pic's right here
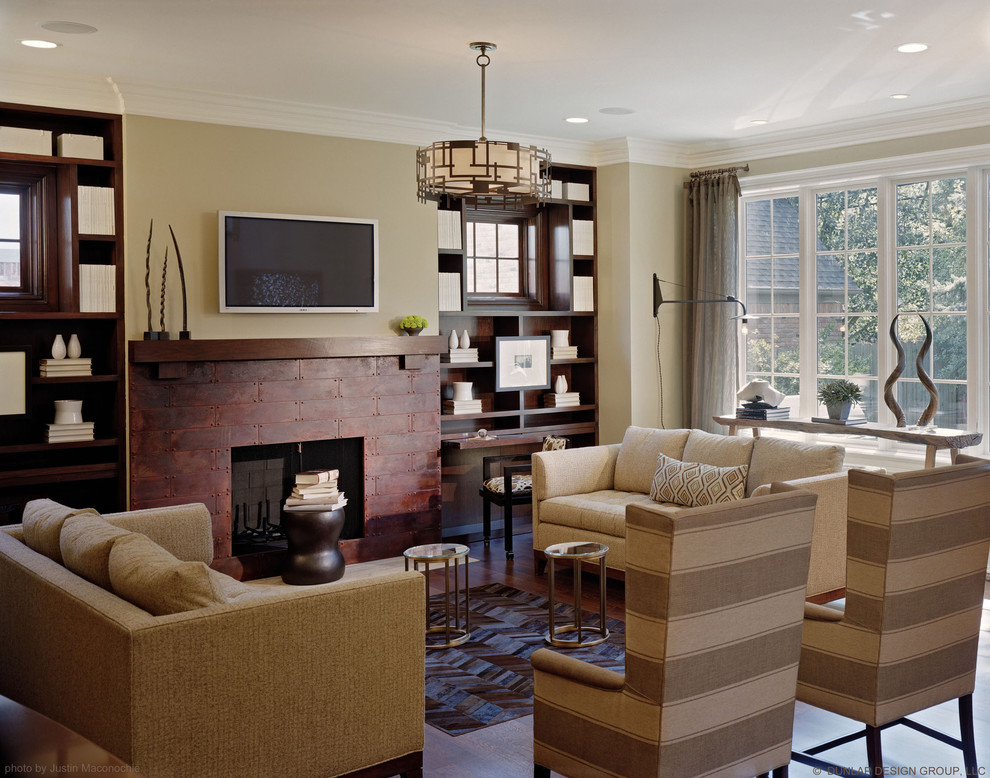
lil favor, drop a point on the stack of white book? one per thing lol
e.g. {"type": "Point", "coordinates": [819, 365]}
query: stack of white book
{"type": "Point", "coordinates": [67, 433]}
{"type": "Point", "coordinates": [96, 210]}
{"type": "Point", "coordinates": [316, 489]}
{"type": "Point", "coordinates": [583, 237]}
{"type": "Point", "coordinates": [584, 293]}
{"type": "Point", "coordinates": [450, 291]}
{"type": "Point", "coordinates": [561, 399]}
{"type": "Point", "coordinates": [564, 352]}
{"type": "Point", "coordinates": [460, 355]}
{"type": "Point", "coordinates": [97, 288]}
{"type": "Point", "coordinates": [449, 230]}
{"type": "Point", "coordinates": [59, 368]}
{"type": "Point", "coordinates": [461, 406]}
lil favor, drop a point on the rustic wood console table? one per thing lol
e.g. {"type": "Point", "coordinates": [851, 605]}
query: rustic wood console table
{"type": "Point", "coordinates": [939, 439]}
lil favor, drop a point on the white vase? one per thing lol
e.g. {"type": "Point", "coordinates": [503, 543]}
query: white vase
{"type": "Point", "coordinates": [452, 340]}
{"type": "Point", "coordinates": [58, 348]}
{"type": "Point", "coordinates": [68, 411]}
{"type": "Point", "coordinates": [561, 384]}
{"type": "Point", "coordinates": [74, 349]}
{"type": "Point", "coordinates": [465, 340]}
{"type": "Point", "coordinates": [559, 338]}
{"type": "Point", "coordinates": [462, 391]}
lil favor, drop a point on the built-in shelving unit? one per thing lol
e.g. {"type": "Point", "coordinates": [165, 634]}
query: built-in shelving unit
{"type": "Point", "coordinates": [82, 473]}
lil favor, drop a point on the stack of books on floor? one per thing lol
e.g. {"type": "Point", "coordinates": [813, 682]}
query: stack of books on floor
{"type": "Point", "coordinates": [460, 355]}
{"type": "Point", "coordinates": [561, 399]}
{"type": "Point", "coordinates": [316, 489]}
{"type": "Point", "coordinates": [461, 406]}
{"type": "Point", "coordinates": [564, 352]}
{"type": "Point", "coordinates": [57, 368]}
{"type": "Point", "coordinates": [69, 433]}
{"type": "Point", "coordinates": [763, 413]}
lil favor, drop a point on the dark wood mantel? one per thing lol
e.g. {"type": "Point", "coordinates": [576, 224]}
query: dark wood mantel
{"type": "Point", "coordinates": [233, 349]}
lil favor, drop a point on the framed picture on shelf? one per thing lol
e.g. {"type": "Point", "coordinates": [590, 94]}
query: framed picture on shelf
{"type": "Point", "coordinates": [522, 362]}
{"type": "Point", "coordinates": [15, 364]}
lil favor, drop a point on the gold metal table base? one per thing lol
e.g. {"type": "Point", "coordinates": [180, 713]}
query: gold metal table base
{"type": "Point", "coordinates": [454, 630]}
{"type": "Point", "coordinates": [582, 635]}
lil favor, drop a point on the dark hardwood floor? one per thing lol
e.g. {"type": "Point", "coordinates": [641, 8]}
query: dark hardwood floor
{"type": "Point", "coordinates": [506, 750]}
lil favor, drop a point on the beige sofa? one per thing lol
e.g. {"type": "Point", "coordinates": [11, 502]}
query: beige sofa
{"type": "Point", "coordinates": [268, 680]}
{"type": "Point", "coordinates": [581, 494]}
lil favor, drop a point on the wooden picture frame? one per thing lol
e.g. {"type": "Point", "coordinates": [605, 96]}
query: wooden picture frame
{"type": "Point", "coordinates": [15, 380]}
{"type": "Point", "coordinates": [522, 362]}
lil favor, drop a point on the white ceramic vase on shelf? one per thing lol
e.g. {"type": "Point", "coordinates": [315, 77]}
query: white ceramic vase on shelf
{"type": "Point", "coordinates": [462, 391]}
{"type": "Point", "coordinates": [74, 349]}
{"type": "Point", "coordinates": [561, 384]}
{"type": "Point", "coordinates": [58, 348]}
{"type": "Point", "coordinates": [452, 340]}
{"type": "Point", "coordinates": [559, 338]}
{"type": "Point", "coordinates": [68, 411]}
{"type": "Point", "coordinates": [465, 340]}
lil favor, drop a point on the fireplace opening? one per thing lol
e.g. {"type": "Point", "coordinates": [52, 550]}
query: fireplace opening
{"type": "Point", "coordinates": [261, 478]}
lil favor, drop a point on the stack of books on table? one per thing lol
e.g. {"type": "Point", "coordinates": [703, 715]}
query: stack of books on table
{"type": "Point", "coordinates": [69, 433]}
{"type": "Point", "coordinates": [316, 489]}
{"type": "Point", "coordinates": [763, 414]}
{"type": "Point", "coordinates": [460, 355]}
{"type": "Point", "coordinates": [564, 352]}
{"type": "Point", "coordinates": [561, 399]}
{"type": "Point", "coordinates": [461, 406]}
{"type": "Point", "coordinates": [58, 368]}
{"type": "Point", "coordinates": [840, 422]}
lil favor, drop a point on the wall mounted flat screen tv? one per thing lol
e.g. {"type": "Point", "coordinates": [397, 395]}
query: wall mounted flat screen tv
{"type": "Point", "coordinates": [281, 263]}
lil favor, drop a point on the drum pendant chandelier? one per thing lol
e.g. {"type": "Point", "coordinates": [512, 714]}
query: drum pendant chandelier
{"type": "Point", "coordinates": [492, 172]}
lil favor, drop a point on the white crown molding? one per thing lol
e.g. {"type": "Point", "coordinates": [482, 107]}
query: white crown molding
{"type": "Point", "coordinates": [615, 151]}
{"type": "Point", "coordinates": [65, 90]}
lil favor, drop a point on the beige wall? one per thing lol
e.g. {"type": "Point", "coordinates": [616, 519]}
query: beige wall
{"type": "Point", "coordinates": [182, 173]}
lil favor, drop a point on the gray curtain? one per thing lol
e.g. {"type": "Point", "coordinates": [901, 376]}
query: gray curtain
{"type": "Point", "coordinates": [711, 216]}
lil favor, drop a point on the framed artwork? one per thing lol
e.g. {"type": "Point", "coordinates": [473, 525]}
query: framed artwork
{"type": "Point", "coordinates": [15, 380]}
{"type": "Point", "coordinates": [522, 362]}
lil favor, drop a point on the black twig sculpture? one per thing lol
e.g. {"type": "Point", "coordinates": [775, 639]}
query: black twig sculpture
{"type": "Point", "coordinates": [184, 332]}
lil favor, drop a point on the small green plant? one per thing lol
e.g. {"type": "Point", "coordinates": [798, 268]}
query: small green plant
{"type": "Point", "coordinates": [839, 392]}
{"type": "Point", "coordinates": [412, 322]}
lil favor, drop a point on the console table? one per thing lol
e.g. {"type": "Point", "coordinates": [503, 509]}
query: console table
{"type": "Point", "coordinates": [937, 440]}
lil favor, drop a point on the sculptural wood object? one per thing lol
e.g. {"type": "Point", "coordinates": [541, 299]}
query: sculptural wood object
{"type": "Point", "coordinates": [888, 387]}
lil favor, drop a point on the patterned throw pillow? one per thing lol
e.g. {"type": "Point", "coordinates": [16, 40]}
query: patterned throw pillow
{"type": "Point", "coordinates": [693, 483]}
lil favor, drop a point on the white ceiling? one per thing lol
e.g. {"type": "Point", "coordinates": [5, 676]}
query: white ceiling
{"type": "Point", "coordinates": [696, 72]}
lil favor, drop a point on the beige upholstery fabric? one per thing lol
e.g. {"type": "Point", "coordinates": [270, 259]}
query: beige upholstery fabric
{"type": "Point", "coordinates": [85, 543]}
{"type": "Point", "coordinates": [718, 450]}
{"type": "Point", "coordinates": [183, 530]}
{"type": "Point", "coordinates": [917, 555]}
{"type": "Point", "coordinates": [776, 459]}
{"type": "Point", "coordinates": [694, 484]}
{"type": "Point", "coordinates": [42, 522]}
{"type": "Point", "coordinates": [189, 695]}
{"type": "Point", "coordinates": [144, 573]}
{"type": "Point", "coordinates": [638, 454]}
{"type": "Point", "coordinates": [714, 602]}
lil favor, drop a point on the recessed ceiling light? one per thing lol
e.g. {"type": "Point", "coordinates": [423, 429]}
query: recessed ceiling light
{"type": "Point", "coordinates": [40, 44]}
{"type": "Point", "coordinates": [912, 48]}
{"type": "Point", "coordinates": [899, 97]}
{"type": "Point", "coordinates": [70, 28]}
{"type": "Point", "coordinates": [616, 111]}
{"type": "Point", "coordinates": [576, 120]}
{"type": "Point", "coordinates": [760, 121]}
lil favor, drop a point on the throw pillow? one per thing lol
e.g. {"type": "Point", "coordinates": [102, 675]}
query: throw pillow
{"type": "Point", "coordinates": [145, 574]}
{"type": "Point", "coordinates": [42, 524]}
{"type": "Point", "coordinates": [694, 484]}
{"type": "Point", "coordinates": [638, 453]}
{"type": "Point", "coordinates": [85, 543]}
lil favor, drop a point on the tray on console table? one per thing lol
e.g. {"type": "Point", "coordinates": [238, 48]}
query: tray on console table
{"type": "Point", "coordinates": [933, 441]}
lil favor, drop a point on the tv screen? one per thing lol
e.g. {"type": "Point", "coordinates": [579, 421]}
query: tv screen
{"type": "Point", "coordinates": [280, 263]}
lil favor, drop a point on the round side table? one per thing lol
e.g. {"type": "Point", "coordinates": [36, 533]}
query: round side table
{"type": "Point", "coordinates": [314, 556]}
{"type": "Point", "coordinates": [453, 631]}
{"type": "Point", "coordinates": [583, 636]}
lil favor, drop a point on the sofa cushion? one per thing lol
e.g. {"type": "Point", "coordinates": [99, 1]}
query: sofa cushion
{"type": "Point", "coordinates": [637, 460]}
{"type": "Point", "coordinates": [145, 574]}
{"type": "Point", "coordinates": [693, 483]}
{"type": "Point", "coordinates": [603, 511]}
{"type": "Point", "coordinates": [776, 459]}
{"type": "Point", "coordinates": [718, 450]}
{"type": "Point", "coordinates": [85, 543]}
{"type": "Point", "coordinates": [42, 524]}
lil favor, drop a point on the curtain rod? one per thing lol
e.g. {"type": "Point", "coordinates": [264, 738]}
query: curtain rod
{"type": "Point", "coordinates": [719, 171]}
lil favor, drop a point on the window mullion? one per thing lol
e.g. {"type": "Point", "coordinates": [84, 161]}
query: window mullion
{"type": "Point", "coordinates": [886, 293]}
{"type": "Point", "coordinates": [808, 303]}
{"type": "Point", "coordinates": [977, 335]}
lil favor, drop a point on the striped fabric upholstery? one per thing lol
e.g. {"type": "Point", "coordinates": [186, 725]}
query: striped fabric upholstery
{"type": "Point", "coordinates": [714, 604]}
{"type": "Point", "coordinates": [916, 567]}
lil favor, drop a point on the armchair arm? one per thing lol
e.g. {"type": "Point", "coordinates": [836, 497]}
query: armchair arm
{"type": "Point", "coordinates": [547, 661]}
{"type": "Point", "coordinates": [573, 471]}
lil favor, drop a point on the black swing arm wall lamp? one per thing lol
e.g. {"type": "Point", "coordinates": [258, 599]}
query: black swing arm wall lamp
{"type": "Point", "coordinates": [658, 301]}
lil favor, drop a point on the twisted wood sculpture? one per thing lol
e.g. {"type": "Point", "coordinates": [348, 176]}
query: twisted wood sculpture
{"type": "Point", "coordinates": [888, 387]}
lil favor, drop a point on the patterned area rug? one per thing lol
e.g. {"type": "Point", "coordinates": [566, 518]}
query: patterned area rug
{"type": "Point", "coordinates": [488, 679]}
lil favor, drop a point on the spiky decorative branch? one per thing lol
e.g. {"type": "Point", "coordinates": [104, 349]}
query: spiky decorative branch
{"type": "Point", "coordinates": [147, 274]}
{"type": "Point", "coordinates": [164, 275]}
{"type": "Point", "coordinates": [182, 279]}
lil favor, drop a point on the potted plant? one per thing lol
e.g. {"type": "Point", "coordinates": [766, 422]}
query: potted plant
{"type": "Point", "coordinates": [839, 396]}
{"type": "Point", "coordinates": [413, 324]}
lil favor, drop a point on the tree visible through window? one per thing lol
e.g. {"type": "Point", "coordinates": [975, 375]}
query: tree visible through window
{"type": "Point", "coordinates": [10, 240]}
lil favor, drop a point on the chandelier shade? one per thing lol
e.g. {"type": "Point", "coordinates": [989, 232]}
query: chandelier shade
{"type": "Point", "coordinates": [491, 171]}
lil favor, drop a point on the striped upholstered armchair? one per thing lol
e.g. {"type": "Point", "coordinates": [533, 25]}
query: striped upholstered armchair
{"type": "Point", "coordinates": [714, 604]}
{"type": "Point", "coordinates": [915, 577]}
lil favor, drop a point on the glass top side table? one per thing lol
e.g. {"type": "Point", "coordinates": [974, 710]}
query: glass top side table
{"type": "Point", "coordinates": [583, 635]}
{"type": "Point", "coordinates": [457, 630]}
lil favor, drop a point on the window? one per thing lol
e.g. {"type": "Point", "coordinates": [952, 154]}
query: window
{"type": "Point", "coordinates": [10, 240]}
{"type": "Point", "coordinates": [494, 257]}
{"type": "Point", "coordinates": [27, 236]}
